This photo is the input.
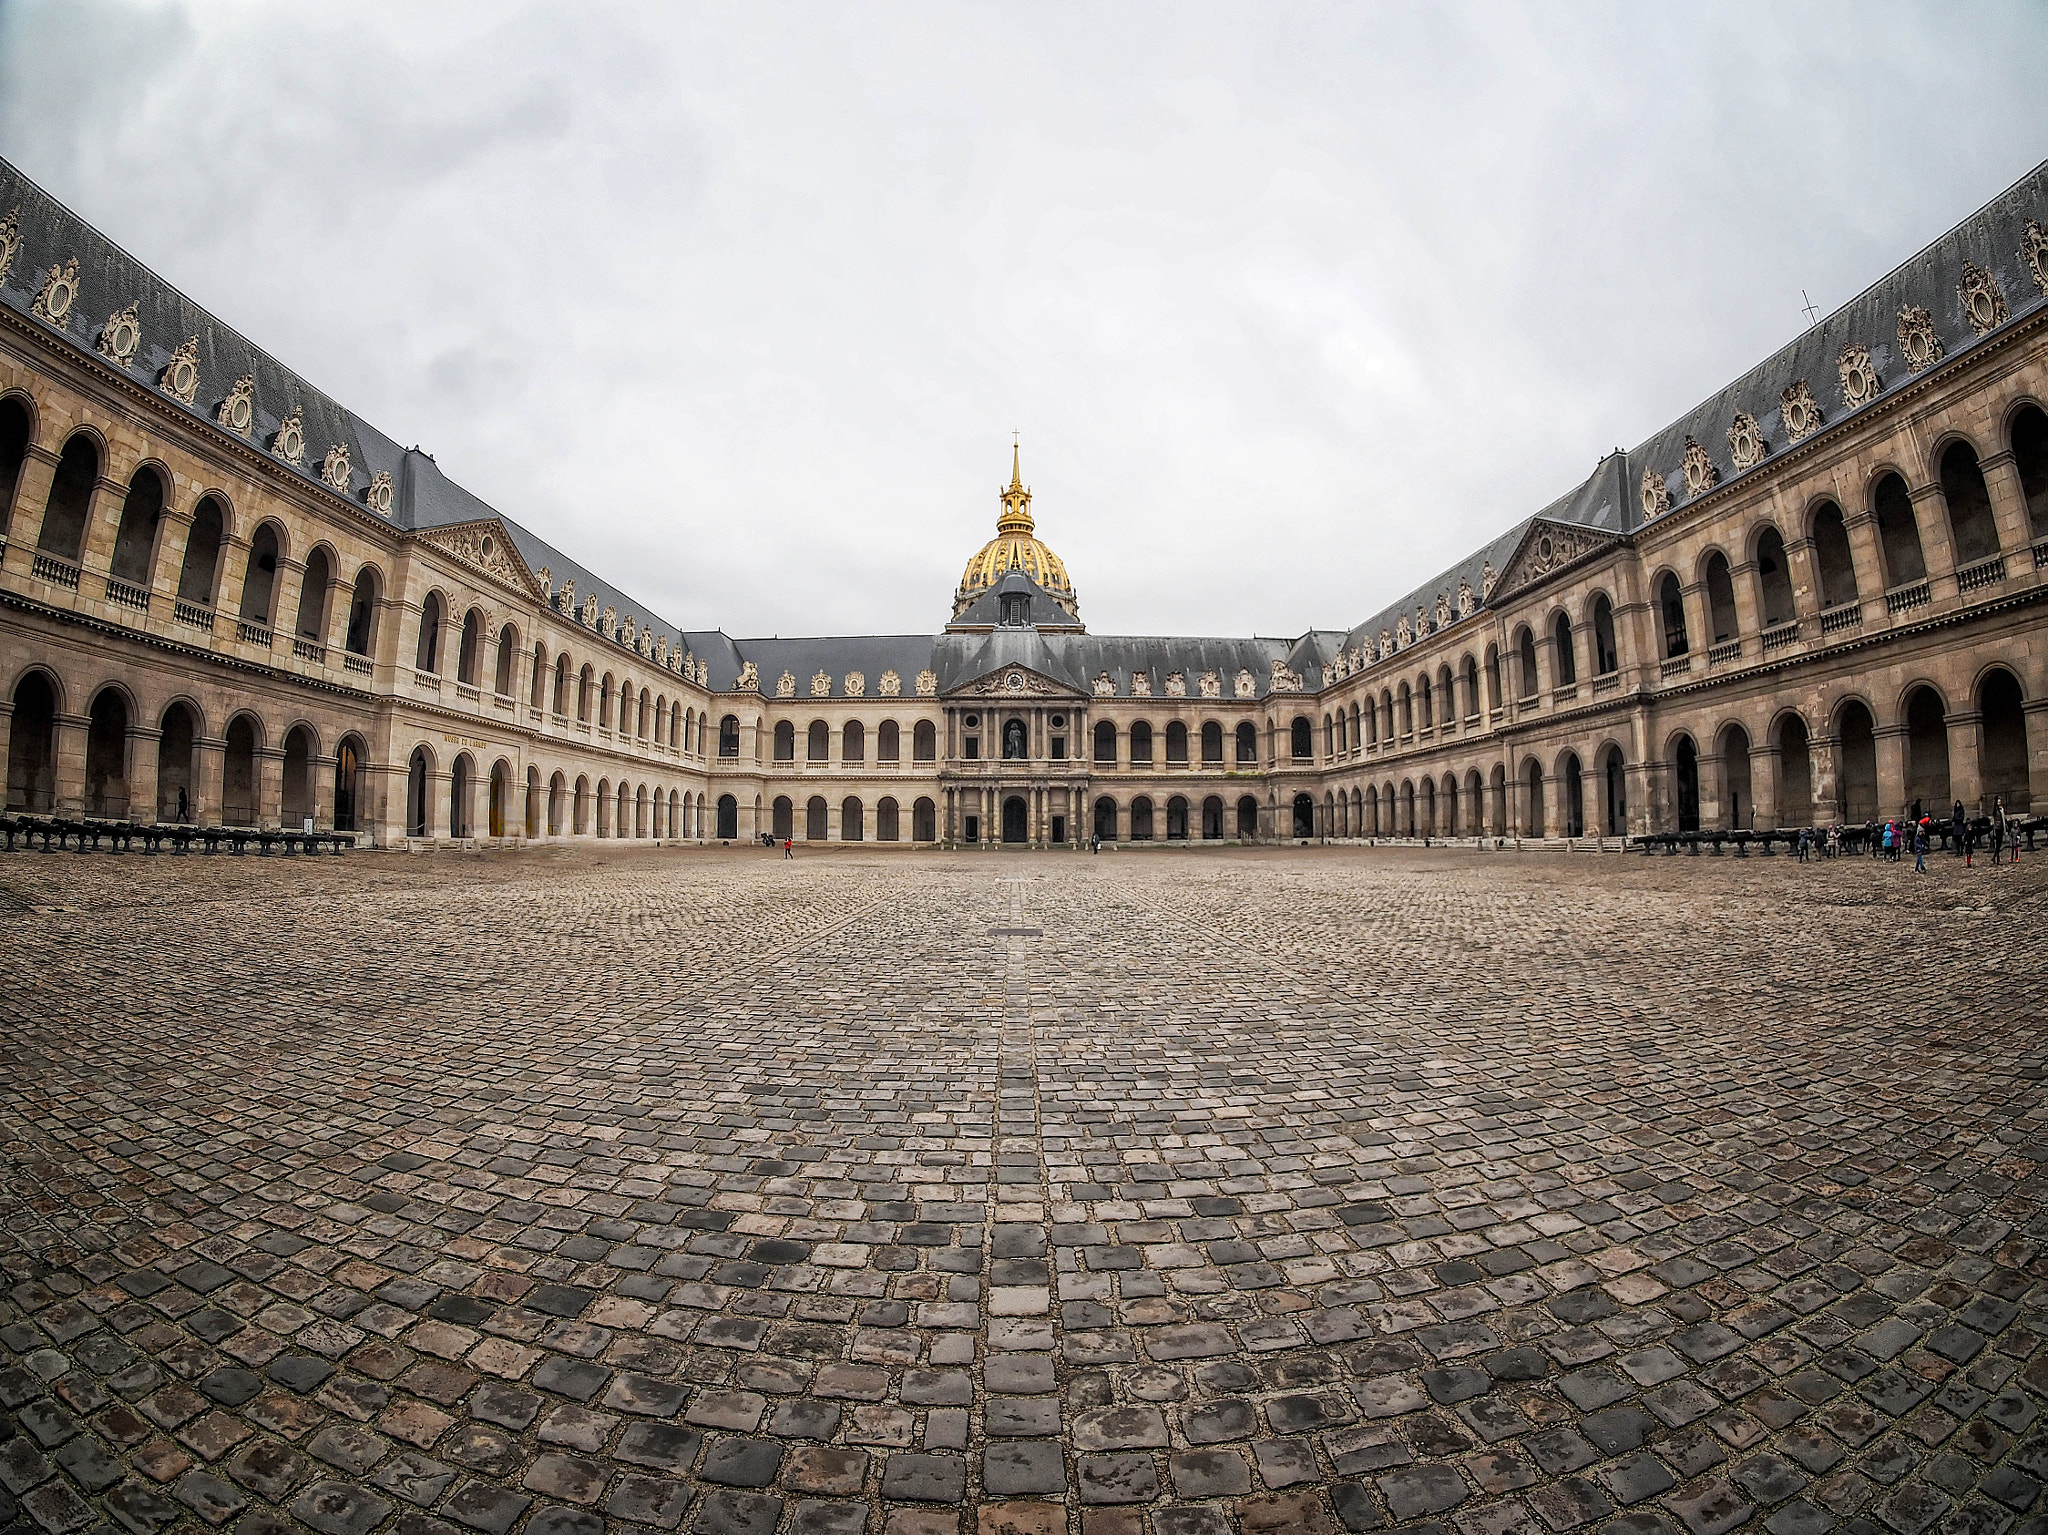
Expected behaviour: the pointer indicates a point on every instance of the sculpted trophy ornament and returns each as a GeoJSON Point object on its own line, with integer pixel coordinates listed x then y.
{"type": "Point", "coordinates": [1860, 382]}
{"type": "Point", "coordinates": [1918, 343]}
{"type": "Point", "coordinates": [1746, 443]}
{"type": "Point", "coordinates": [238, 411]}
{"type": "Point", "coordinates": [1656, 495]}
{"type": "Point", "coordinates": [334, 468]}
{"type": "Point", "coordinates": [1212, 685]}
{"type": "Point", "coordinates": [590, 611]}
{"type": "Point", "coordinates": [1798, 409]}
{"type": "Point", "coordinates": [749, 677]}
{"type": "Point", "coordinates": [1443, 610]}
{"type": "Point", "coordinates": [890, 685]}
{"type": "Point", "coordinates": [546, 577]}
{"type": "Point", "coordinates": [785, 685]}
{"type": "Point", "coordinates": [927, 683]}
{"type": "Point", "coordinates": [289, 441]}
{"type": "Point", "coordinates": [1285, 678]}
{"type": "Point", "coordinates": [1141, 684]}
{"type": "Point", "coordinates": [1486, 580]}
{"type": "Point", "coordinates": [566, 603]}
{"type": "Point", "coordinates": [1466, 603]}
{"type": "Point", "coordinates": [821, 685]}
{"type": "Point", "coordinates": [1700, 474]}
{"type": "Point", "coordinates": [121, 337]}
{"type": "Point", "coordinates": [856, 684]}
{"type": "Point", "coordinates": [1403, 635]}
{"type": "Point", "coordinates": [2033, 253]}
{"type": "Point", "coordinates": [1983, 300]}
{"type": "Point", "coordinates": [59, 292]}
{"type": "Point", "coordinates": [1105, 685]}
{"type": "Point", "coordinates": [10, 241]}
{"type": "Point", "coordinates": [180, 378]}
{"type": "Point", "coordinates": [378, 496]}
{"type": "Point", "coordinates": [1176, 684]}
{"type": "Point", "coordinates": [1247, 684]}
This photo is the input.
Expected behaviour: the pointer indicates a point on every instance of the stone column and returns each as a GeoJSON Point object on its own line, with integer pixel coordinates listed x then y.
{"type": "Point", "coordinates": [1804, 570]}
{"type": "Point", "coordinates": [1930, 513]}
{"type": "Point", "coordinates": [173, 536]}
{"type": "Point", "coordinates": [322, 769]}
{"type": "Point", "coordinates": [31, 499]}
{"type": "Point", "coordinates": [1713, 790]}
{"type": "Point", "coordinates": [234, 571]}
{"type": "Point", "coordinates": [2035, 714]}
{"type": "Point", "coordinates": [70, 732]}
{"type": "Point", "coordinates": [1699, 623]}
{"type": "Point", "coordinates": [1965, 775]}
{"type": "Point", "coordinates": [1648, 809]}
{"type": "Point", "coordinates": [1891, 770]}
{"type": "Point", "coordinates": [102, 527]}
{"type": "Point", "coordinates": [1827, 791]}
{"type": "Point", "coordinates": [2008, 505]}
{"type": "Point", "coordinates": [1763, 786]}
{"type": "Point", "coordinates": [142, 772]}
{"type": "Point", "coordinates": [285, 589]}
{"type": "Point", "coordinates": [1592, 798]}
{"type": "Point", "coordinates": [269, 786]}
{"type": "Point", "coordinates": [1749, 609]}
{"type": "Point", "coordinates": [209, 770]}
{"type": "Point", "coordinates": [1518, 807]}
{"type": "Point", "coordinates": [1868, 561]}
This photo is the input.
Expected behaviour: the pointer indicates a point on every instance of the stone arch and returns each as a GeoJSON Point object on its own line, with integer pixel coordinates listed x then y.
{"type": "Point", "coordinates": [887, 828]}
{"type": "Point", "coordinates": [728, 810]}
{"type": "Point", "coordinates": [2026, 434]}
{"type": "Point", "coordinates": [205, 539]}
{"type": "Point", "coordinates": [853, 821]}
{"type": "Point", "coordinates": [1212, 744]}
{"type": "Point", "coordinates": [461, 793]}
{"type": "Point", "coordinates": [1971, 521]}
{"type": "Point", "coordinates": [427, 652]}
{"type": "Point", "coordinates": [818, 742]}
{"type": "Point", "coordinates": [1671, 612]}
{"type": "Point", "coordinates": [1530, 682]}
{"type": "Point", "coordinates": [1773, 574]}
{"type": "Point", "coordinates": [1141, 819]}
{"type": "Point", "coordinates": [1141, 742]}
{"type": "Point", "coordinates": [1685, 774]}
{"type": "Point", "coordinates": [853, 744]}
{"type": "Point", "coordinates": [135, 538]}
{"type": "Point", "coordinates": [1534, 822]}
{"type": "Point", "coordinates": [1565, 647]}
{"type": "Point", "coordinates": [1105, 818]}
{"type": "Point", "coordinates": [1794, 743]}
{"type": "Point", "coordinates": [1855, 732]}
{"type": "Point", "coordinates": [2002, 755]}
{"type": "Point", "coordinates": [817, 819]}
{"type": "Point", "coordinates": [505, 672]}
{"type": "Point", "coordinates": [581, 804]}
{"type": "Point", "coordinates": [1738, 804]}
{"type": "Point", "coordinates": [924, 820]}
{"type": "Point", "coordinates": [419, 792]}
{"type": "Point", "coordinates": [179, 728]}
{"type": "Point", "coordinates": [498, 811]}
{"type": "Point", "coordinates": [785, 741]}
{"type": "Point", "coordinates": [108, 720]}
{"type": "Point", "coordinates": [1247, 818]}
{"type": "Point", "coordinates": [241, 779]}
{"type": "Point", "coordinates": [469, 653]}
{"type": "Point", "coordinates": [301, 754]}
{"type": "Point", "coordinates": [1898, 529]}
{"type": "Point", "coordinates": [70, 499]}
{"type": "Point", "coordinates": [888, 748]}
{"type": "Point", "coordinates": [782, 818]}
{"type": "Point", "coordinates": [1834, 560]}
{"type": "Point", "coordinates": [1247, 744]}
{"type": "Point", "coordinates": [17, 431]}
{"type": "Point", "coordinates": [309, 623]}
{"type": "Point", "coordinates": [1717, 580]}
{"type": "Point", "coordinates": [1613, 790]}
{"type": "Point", "coordinates": [267, 553]}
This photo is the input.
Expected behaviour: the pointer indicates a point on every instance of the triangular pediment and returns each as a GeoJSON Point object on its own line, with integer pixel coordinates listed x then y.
{"type": "Point", "coordinates": [485, 546]}
{"type": "Point", "coordinates": [1545, 550]}
{"type": "Point", "coordinates": [1014, 681]}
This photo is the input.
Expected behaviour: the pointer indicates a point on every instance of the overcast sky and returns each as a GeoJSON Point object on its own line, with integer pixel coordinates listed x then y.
{"type": "Point", "coordinates": [1293, 305]}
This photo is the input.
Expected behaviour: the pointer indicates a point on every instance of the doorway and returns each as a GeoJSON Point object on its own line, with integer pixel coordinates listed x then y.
{"type": "Point", "coordinates": [1014, 819]}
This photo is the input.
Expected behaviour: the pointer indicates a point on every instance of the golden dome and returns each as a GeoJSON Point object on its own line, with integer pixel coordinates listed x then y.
{"type": "Point", "coordinates": [1014, 548]}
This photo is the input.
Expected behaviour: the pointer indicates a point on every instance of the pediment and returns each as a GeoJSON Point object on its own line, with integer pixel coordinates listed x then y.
{"type": "Point", "coordinates": [485, 546]}
{"type": "Point", "coordinates": [1014, 682]}
{"type": "Point", "coordinates": [1545, 550]}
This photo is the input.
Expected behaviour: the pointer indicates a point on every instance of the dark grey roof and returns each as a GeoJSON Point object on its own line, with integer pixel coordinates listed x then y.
{"type": "Point", "coordinates": [109, 280]}
{"type": "Point", "coordinates": [835, 655]}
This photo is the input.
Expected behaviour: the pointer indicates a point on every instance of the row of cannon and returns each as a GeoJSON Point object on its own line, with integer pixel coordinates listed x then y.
{"type": "Point", "coordinates": [91, 834]}
{"type": "Point", "coordinates": [1856, 840]}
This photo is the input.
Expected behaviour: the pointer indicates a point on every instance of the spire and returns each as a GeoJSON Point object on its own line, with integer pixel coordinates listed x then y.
{"type": "Point", "coordinates": [1016, 517]}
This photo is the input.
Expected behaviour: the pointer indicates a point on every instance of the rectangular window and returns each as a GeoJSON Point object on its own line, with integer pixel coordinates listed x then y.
{"type": "Point", "coordinates": [973, 750]}
{"type": "Point", "coordinates": [1059, 754]}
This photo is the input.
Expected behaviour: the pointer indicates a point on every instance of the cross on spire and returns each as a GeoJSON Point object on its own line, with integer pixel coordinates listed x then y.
{"type": "Point", "coordinates": [1812, 311]}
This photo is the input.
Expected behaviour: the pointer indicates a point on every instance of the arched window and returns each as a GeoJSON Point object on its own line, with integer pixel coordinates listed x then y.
{"type": "Point", "coordinates": [1525, 652]}
{"type": "Point", "coordinates": [135, 542]}
{"type": "Point", "coordinates": [888, 748]}
{"type": "Point", "coordinates": [924, 747]}
{"type": "Point", "coordinates": [1720, 599]}
{"type": "Point", "coordinates": [1105, 743]}
{"type": "Point", "coordinates": [1969, 504]}
{"type": "Point", "coordinates": [200, 569]}
{"type": "Point", "coordinates": [1407, 710]}
{"type": "Point", "coordinates": [1567, 651]}
{"type": "Point", "coordinates": [885, 820]}
{"type": "Point", "coordinates": [728, 807]}
{"type": "Point", "coordinates": [1176, 744]}
{"type": "Point", "coordinates": [819, 743]}
{"type": "Point", "coordinates": [1687, 767]}
{"type": "Point", "coordinates": [1855, 764]}
{"type": "Point", "coordinates": [1837, 566]}
{"type": "Point", "coordinates": [586, 683]}
{"type": "Point", "coordinates": [1606, 654]}
{"type": "Point", "coordinates": [508, 658]}
{"type": "Point", "coordinates": [604, 703]}
{"type": "Point", "coordinates": [1177, 819]}
{"type": "Point", "coordinates": [924, 821]}
{"type": "Point", "coordinates": [298, 777]}
{"type": "Point", "coordinates": [177, 765]}
{"type": "Point", "coordinates": [460, 787]}
{"type": "Point", "coordinates": [311, 624]}
{"type": "Point", "coordinates": [853, 743]}
{"type": "Point", "coordinates": [558, 796]}
{"type": "Point", "coordinates": [32, 745]}
{"type": "Point", "coordinates": [1247, 818]}
{"type": "Point", "coordinates": [852, 820]}
{"type": "Point", "coordinates": [259, 584]}
{"type": "Point", "coordinates": [2002, 752]}
{"type": "Point", "coordinates": [427, 658]}
{"type": "Point", "coordinates": [418, 803]}
{"type": "Point", "coordinates": [579, 821]}
{"type": "Point", "coordinates": [1425, 701]}
{"type": "Point", "coordinates": [1141, 819]}
{"type": "Point", "coordinates": [563, 693]}
{"type": "Point", "coordinates": [785, 741]}
{"type": "Point", "coordinates": [816, 820]}
{"type": "Point", "coordinates": [1248, 744]}
{"type": "Point", "coordinates": [1493, 688]}
{"type": "Point", "coordinates": [1304, 815]}
{"type": "Point", "coordinates": [1141, 743]}
{"type": "Point", "coordinates": [729, 746]}
{"type": "Point", "coordinates": [1898, 533]}
{"type": "Point", "coordinates": [2029, 456]}
{"type": "Point", "coordinates": [1302, 740]}
{"type": "Point", "coordinates": [70, 502]}
{"type": "Point", "coordinates": [1774, 578]}
{"type": "Point", "coordinates": [469, 656]}
{"type": "Point", "coordinates": [106, 755]}
{"type": "Point", "coordinates": [1671, 604]}
{"type": "Point", "coordinates": [782, 818]}
{"type": "Point", "coordinates": [14, 435]}
{"type": "Point", "coordinates": [642, 720]}
{"type": "Point", "coordinates": [1212, 743]}
{"type": "Point", "coordinates": [1927, 781]}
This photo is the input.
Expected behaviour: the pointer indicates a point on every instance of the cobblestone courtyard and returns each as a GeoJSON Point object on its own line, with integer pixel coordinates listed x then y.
{"type": "Point", "coordinates": [1340, 1189]}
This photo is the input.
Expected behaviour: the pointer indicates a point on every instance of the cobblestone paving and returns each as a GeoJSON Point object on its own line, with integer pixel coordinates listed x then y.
{"type": "Point", "coordinates": [1171, 1193]}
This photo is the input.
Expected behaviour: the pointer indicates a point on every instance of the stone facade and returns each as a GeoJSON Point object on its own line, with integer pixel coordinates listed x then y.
{"type": "Point", "coordinates": [223, 598]}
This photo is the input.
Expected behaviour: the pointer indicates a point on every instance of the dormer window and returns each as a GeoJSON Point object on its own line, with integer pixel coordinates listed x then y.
{"type": "Point", "coordinates": [1016, 609]}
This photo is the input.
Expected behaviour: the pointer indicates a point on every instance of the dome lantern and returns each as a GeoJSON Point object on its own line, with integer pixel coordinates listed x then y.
{"type": "Point", "coordinates": [1015, 547]}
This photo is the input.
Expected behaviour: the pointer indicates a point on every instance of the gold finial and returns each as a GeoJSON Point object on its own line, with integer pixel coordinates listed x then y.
{"type": "Point", "coordinates": [1016, 517]}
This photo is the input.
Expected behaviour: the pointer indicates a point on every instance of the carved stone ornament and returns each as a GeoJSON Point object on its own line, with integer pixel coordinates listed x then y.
{"type": "Point", "coordinates": [121, 337]}
{"type": "Point", "coordinates": [1141, 684]}
{"type": "Point", "coordinates": [590, 611]}
{"type": "Point", "coordinates": [1285, 678]}
{"type": "Point", "coordinates": [608, 623]}
{"type": "Point", "coordinates": [629, 630]}
{"type": "Point", "coordinates": [661, 654]}
{"type": "Point", "coordinates": [1918, 343]}
{"type": "Point", "coordinates": [546, 578]}
{"type": "Point", "coordinates": [1443, 610]}
{"type": "Point", "coordinates": [482, 545]}
{"type": "Point", "coordinates": [1105, 685]}
{"type": "Point", "coordinates": [1247, 684]}
{"type": "Point", "coordinates": [2033, 252]}
{"type": "Point", "coordinates": [890, 685]}
{"type": "Point", "coordinates": [1746, 442]}
{"type": "Point", "coordinates": [565, 604]}
{"type": "Point", "coordinates": [785, 686]}
{"type": "Point", "coordinates": [927, 683]}
{"type": "Point", "coordinates": [1404, 635]}
{"type": "Point", "coordinates": [334, 467]}
{"type": "Point", "coordinates": [1656, 495]}
{"type": "Point", "coordinates": [1700, 474]}
{"type": "Point", "coordinates": [821, 685]}
{"type": "Point", "coordinates": [1799, 410]}
{"type": "Point", "coordinates": [1176, 684]}
{"type": "Point", "coordinates": [645, 642]}
{"type": "Point", "coordinates": [1014, 683]}
{"type": "Point", "coordinates": [59, 293]}
{"type": "Point", "coordinates": [289, 443]}
{"type": "Point", "coordinates": [378, 496]}
{"type": "Point", "coordinates": [1860, 382]}
{"type": "Point", "coordinates": [1983, 300]}
{"type": "Point", "coordinates": [1549, 548]}
{"type": "Point", "coordinates": [180, 378]}
{"type": "Point", "coordinates": [1486, 580]}
{"type": "Point", "coordinates": [1212, 685]}
{"type": "Point", "coordinates": [856, 685]}
{"type": "Point", "coordinates": [10, 240]}
{"type": "Point", "coordinates": [238, 411]}
{"type": "Point", "coordinates": [1466, 602]}
{"type": "Point", "coordinates": [749, 677]}
{"type": "Point", "coordinates": [1386, 645]}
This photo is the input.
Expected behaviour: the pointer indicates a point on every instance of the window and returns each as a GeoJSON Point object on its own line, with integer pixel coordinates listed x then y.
{"type": "Point", "coordinates": [1016, 608]}
{"type": "Point", "coordinates": [853, 744]}
{"type": "Point", "coordinates": [428, 656]}
{"type": "Point", "coordinates": [1525, 654]}
{"type": "Point", "coordinates": [1303, 739]}
{"type": "Point", "coordinates": [1105, 743]}
{"type": "Point", "coordinates": [924, 746]}
{"type": "Point", "coordinates": [1969, 504]}
{"type": "Point", "coordinates": [728, 746]}
{"type": "Point", "coordinates": [818, 746]}
{"type": "Point", "coordinates": [1212, 744]}
{"type": "Point", "coordinates": [1671, 604]}
{"type": "Point", "coordinates": [1720, 599]}
{"type": "Point", "coordinates": [64, 514]}
{"type": "Point", "coordinates": [311, 623]}
{"type": "Point", "coordinates": [508, 653]}
{"type": "Point", "coordinates": [1606, 656]}
{"type": "Point", "coordinates": [135, 543]}
{"type": "Point", "coordinates": [1898, 533]}
{"type": "Point", "coordinates": [470, 656]}
{"type": "Point", "coordinates": [785, 741]}
{"type": "Point", "coordinates": [1831, 554]}
{"type": "Point", "coordinates": [201, 568]}
{"type": "Point", "coordinates": [1176, 744]}
{"type": "Point", "coordinates": [888, 748]}
{"type": "Point", "coordinates": [1248, 744]}
{"type": "Point", "coordinates": [1141, 744]}
{"type": "Point", "coordinates": [1567, 652]}
{"type": "Point", "coordinates": [259, 586]}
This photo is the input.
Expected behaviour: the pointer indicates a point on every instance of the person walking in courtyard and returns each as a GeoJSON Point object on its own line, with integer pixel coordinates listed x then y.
{"type": "Point", "coordinates": [1805, 841]}
{"type": "Point", "coordinates": [1920, 848]}
{"type": "Point", "coordinates": [1889, 851]}
{"type": "Point", "coordinates": [1834, 839]}
{"type": "Point", "coordinates": [788, 846]}
{"type": "Point", "coordinates": [1999, 831]}
{"type": "Point", "coordinates": [1955, 833]}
